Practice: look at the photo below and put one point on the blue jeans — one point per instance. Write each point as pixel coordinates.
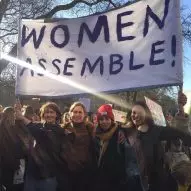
(48, 184)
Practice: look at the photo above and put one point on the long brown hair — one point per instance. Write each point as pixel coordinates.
(8, 136)
(65, 118)
(8, 116)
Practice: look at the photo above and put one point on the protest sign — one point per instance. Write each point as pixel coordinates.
(120, 116)
(156, 112)
(132, 47)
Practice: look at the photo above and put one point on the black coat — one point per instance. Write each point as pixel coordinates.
(149, 144)
(44, 158)
(11, 151)
(118, 168)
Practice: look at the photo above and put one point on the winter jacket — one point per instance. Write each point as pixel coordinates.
(11, 151)
(44, 158)
(150, 154)
(117, 164)
(79, 152)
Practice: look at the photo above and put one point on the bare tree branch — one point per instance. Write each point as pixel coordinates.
(113, 4)
(8, 34)
(69, 6)
(8, 30)
(10, 11)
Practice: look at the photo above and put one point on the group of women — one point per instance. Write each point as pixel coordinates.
(76, 156)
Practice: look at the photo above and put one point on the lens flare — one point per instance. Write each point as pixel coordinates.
(65, 80)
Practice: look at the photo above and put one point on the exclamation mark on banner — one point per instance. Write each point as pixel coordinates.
(173, 49)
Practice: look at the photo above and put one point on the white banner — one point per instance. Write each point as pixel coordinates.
(156, 112)
(135, 46)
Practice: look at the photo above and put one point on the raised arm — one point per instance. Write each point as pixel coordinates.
(33, 128)
(18, 114)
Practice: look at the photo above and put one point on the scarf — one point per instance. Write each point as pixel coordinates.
(104, 140)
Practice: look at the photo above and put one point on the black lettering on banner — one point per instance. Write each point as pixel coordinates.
(41, 61)
(173, 49)
(156, 51)
(120, 26)
(25, 39)
(150, 13)
(67, 65)
(93, 36)
(66, 36)
(92, 68)
(131, 63)
(28, 60)
(115, 59)
(54, 64)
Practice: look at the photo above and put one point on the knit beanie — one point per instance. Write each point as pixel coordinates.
(105, 110)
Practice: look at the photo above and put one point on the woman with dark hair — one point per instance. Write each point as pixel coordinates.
(146, 139)
(117, 164)
(44, 161)
(80, 153)
(11, 152)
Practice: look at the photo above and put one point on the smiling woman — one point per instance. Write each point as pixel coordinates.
(146, 137)
(116, 160)
(44, 159)
(80, 152)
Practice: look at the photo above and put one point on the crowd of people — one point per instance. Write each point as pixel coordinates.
(51, 151)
